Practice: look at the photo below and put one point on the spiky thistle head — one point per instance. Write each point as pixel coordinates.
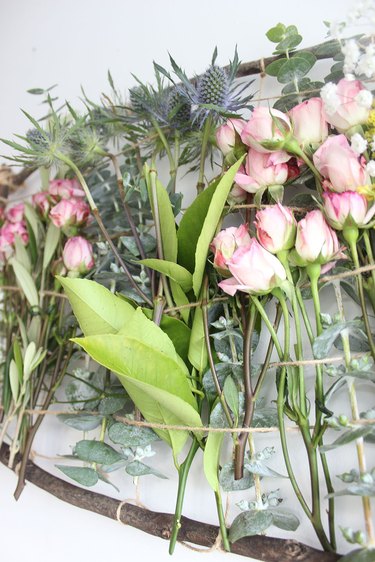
(179, 110)
(213, 87)
(37, 139)
(86, 145)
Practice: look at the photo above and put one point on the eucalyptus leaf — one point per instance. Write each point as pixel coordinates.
(359, 555)
(137, 468)
(231, 395)
(96, 451)
(284, 519)
(112, 404)
(228, 482)
(131, 436)
(322, 344)
(356, 489)
(249, 523)
(348, 437)
(296, 67)
(83, 422)
(257, 467)
(85, 476)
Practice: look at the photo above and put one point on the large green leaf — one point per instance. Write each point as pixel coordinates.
(180, 299)
(97, 310)
(211, 458)
(25, 281)
(176, 330)
(210, 223)
(191, 226)
(166, 217)
(197, 346)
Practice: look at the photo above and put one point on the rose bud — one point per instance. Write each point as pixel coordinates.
(11, 229)
(15, 213)
(78, 256)
(316, 242)
(343, 169)
(237, 195)
(6, 245)
(262, 170)
(254, 271)
(266, 130)
(41, 200)
(226, 134)
(348, 209)
(346, 104)
(276, 228)
(308, 122)
(65, 189)
(226, 243)
(69, 212)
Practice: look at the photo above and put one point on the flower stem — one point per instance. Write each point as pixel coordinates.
(206, 135)
(223, 528)
(182, 479)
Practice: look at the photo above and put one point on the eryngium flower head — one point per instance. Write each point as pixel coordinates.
(86, 146)
(213, 87)
(37, 139)
(179, 110)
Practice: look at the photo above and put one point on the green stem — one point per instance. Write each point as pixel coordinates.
(269, 325)
(206, 135)
(313, 271)
(223, 528)
(370, 256)
(183, 472)
(163, 138)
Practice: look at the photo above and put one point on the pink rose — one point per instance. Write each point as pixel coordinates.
(254, 271)
(6, 245)
(10, 229)
(266, 126)
(78, 255)
(276, 228)
(227, 242)
(262, 170)
(308, 121)
(15, 213)
(316, 242)
(347, 209)
(69, 212)
(226, 134)
(351, 110)
(343, 169)
(237, 195)
(42, 202)
(65, 189)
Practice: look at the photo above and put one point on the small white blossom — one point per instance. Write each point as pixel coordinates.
(358, 143)
(370, 168)
(330, 98)
(352, 52)
(364, 99)
(366, 63)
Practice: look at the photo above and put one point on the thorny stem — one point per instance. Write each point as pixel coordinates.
(99, 220)
(355, 416)
(206, 135)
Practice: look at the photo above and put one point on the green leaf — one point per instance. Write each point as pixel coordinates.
(257, 467)
(96, 451)
(211, 458)
(249, 523)
(52, 240)
(131, 436)
(361, 489)
(22, 255)
(231, 395)
(328, 49)
(85, 476)
(198, 356)
(36, 91)
(228, 482)
(166, 217)
(322, 344)
(34, 222)
(180, 299)
(290, 42)
(112, 404)
(25, 281)
(137, 468)
(210, 223)
(296, 67)
(277, 33)
(14, 380)
(273, 68)
(176, 330)
(348, 437)
(84, 422)
(191, 226)
(284, 519)
(174, 271)
(359, 555)
(97, 310)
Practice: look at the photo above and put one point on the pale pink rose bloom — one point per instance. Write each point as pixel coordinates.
(347, 209)
(266, 125)
(254, 271)
(78, 255)
(308, 122)
(6, 248)
(262, 170)
(10, 229)
(42, 201)
(226, 243)
(226, 134)
(341, 167)
(15, 213)
(276, 228)
(69, 212)
(316, 242)
(237, 195)
(350, 112)
(65, 189)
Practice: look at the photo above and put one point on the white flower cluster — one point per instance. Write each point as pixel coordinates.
(330, 98)
(370, 168)
(358, 143)
(364, 99)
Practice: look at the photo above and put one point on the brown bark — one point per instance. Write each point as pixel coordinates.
(264, 548)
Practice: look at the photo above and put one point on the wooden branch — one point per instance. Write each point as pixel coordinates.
(264, 548)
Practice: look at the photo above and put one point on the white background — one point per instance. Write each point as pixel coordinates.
(74, 43)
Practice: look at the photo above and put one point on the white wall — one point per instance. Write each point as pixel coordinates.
(73, 43)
